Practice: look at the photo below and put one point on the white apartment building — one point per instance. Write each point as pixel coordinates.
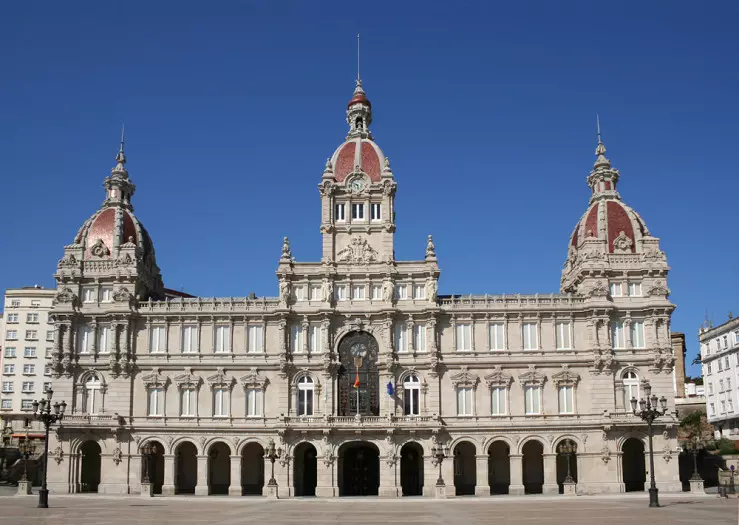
(27, 343)
(720, 358)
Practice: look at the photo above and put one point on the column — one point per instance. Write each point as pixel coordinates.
(169, 466)
(202, 489)
(326, 479)
(388, 486)
(550, 474)
(234, 489)
(516, 486)
(447, 470)
(482, 487)
(430, 473)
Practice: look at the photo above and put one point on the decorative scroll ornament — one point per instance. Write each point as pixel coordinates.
(659, 289)
(598, 290)
(65, 295)
(622, 243)
(58, 455)
(605, 454)
(359, 251)
(68, 261)
(117, 456)
(123, 296)
(99, 249)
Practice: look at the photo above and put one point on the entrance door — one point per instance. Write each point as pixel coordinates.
(411, 469)
(359, 379)
(90, 475)
(360, 470)
(306, 470)
(634, 466)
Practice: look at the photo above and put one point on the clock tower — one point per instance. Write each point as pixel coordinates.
(358, 193)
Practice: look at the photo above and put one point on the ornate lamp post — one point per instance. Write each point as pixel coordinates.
(694, 447)
(7, 437)
(42, 411)
(147, 451)
(439, 452)
(649, 411)
(567, 448)
(27, 448)
(272, 454)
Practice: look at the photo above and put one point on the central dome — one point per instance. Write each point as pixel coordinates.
(358, 154)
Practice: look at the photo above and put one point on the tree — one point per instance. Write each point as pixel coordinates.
(695, 426)
(697, 360)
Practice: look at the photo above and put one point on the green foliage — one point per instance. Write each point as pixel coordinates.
(697, 360)
(725, 446)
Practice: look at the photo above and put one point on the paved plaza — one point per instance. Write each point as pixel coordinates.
(98, 510)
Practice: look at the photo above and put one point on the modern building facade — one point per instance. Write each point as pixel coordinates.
(28, 342)
(358, 369)
(719, 347)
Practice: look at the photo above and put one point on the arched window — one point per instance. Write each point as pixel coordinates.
(305, 396)
(412, 395)
(92, 398)
(631, 387)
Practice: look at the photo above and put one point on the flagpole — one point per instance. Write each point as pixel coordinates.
(357, 392)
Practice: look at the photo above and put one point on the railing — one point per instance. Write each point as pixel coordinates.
(208, 304)
(90, 419)
(623, 260)
(507, 301)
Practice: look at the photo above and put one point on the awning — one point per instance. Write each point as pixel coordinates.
(30, 435)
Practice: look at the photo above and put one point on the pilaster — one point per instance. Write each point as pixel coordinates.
(234, 488)
(482, 487)
(169, 465)
(202, 489)
(516, 487)
(550, 474)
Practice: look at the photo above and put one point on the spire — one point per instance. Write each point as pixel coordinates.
(118, 187)
(600, 149)
(359, 109)
(359, 79)
(120, 158)
(603, 178)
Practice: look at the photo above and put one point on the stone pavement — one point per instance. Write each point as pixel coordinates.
(503, 510)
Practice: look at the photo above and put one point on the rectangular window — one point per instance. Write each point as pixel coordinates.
(104, 339)
(11, 335)
(419, 337)
(315, 293)
(419, 291)
(736, 338)
(254, 402)
(50, 335)
(88, 295)
(358, 292)
(357, 212)
(708, 368)
(563, 336)
(314, 339)
(32, 318)
(728, 383)
(530, 339)
(726, 362)
(615, 289)
(29, 369)
(726, 341)
(376, 211)
(27, 404)
(84, 339)
(35, 303)
(637, 334)
(296, 339)
(731, 404)
(47, 387)
(376, 292)
(634, 289)
(27, 387)
(220, 402)
(341, 293)
(106, 294)
(11, 318)
(47, 370)
(497, 336)
(7, 404)
(9, 351)
(29, 351)
(156, 401)
(189, 339)
(401, 337)
(305, 401)
(720, 385)
(464, 401)
(256, 339)
(339, 215)
(617, 335)
(31, 335)
(723, 406)
(401, 291)
(187, 402)
(7, 387)
(223, 339)
(9, 369)
(15, 303)
(532, 398)
(464, 337)
(498, 401)
(298, 293)
(157, 341)
(566, 401)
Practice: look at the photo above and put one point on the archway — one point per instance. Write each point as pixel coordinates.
(499, 467)
(465, 469)
(358, 380)
(219, 468)
(633, 465)
(186, 468)
(305, 473)
(154, 467)
(411, 469)
(252, 470)
(359, 469)
(533, 467)
(562, 460)
(90, 468)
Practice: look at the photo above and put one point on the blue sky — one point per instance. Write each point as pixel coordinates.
(487, 112)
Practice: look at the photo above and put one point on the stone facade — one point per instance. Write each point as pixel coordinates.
(359, 369)
(719, 347)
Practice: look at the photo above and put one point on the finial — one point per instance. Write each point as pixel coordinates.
(286, 254)
(120, 158)
(430, 249)
(600, 149)
(359, 80)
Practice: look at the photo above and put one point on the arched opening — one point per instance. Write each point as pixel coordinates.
(566, 463)
(219, 468)
(305, 473)
(252, 470)
(533, 467)
(90, 468)
(306, 391)
(499, 467)
(154, 466)
(186, 468)
(465, 469)
(633, 465)
(411, 469)
(358, 380)
(631, 388)
(412, 395)
(359, 469)
(92, 398)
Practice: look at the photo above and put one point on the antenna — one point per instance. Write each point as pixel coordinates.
(123, 136)
(358, 57)
(597, 120)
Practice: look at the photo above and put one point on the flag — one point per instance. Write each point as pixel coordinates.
(356, 379)
(389, 388)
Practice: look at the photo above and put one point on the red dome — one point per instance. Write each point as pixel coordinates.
(105, 230)
(370, 159)
(359, 98)
(613, 221)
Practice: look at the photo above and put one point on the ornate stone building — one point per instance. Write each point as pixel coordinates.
(359, 368)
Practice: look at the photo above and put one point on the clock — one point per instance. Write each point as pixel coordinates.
(356, 185)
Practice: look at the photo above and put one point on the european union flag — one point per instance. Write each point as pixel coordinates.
(390, 388)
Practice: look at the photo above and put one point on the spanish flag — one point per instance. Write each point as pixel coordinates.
(356, 379)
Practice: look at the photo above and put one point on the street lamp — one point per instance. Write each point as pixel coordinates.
(42, 411)
(273, 454)
(7, 437)
(567, 448)
(148, 451)
(439, 452)
(649, 411)
(27, 449)
(694, 447)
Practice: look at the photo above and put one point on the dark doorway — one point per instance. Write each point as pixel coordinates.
(156, 466)
(533, 467)
(562, 460)
(252, 470)
(633, 464)
(411, 469)
(359, 380)
(219, 468)
(465, 469)
(90, 475)
(499, 467)
(186, 468)
(305, 473)
(359, 470)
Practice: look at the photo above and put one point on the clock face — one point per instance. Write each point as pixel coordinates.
(356, 185)
(358, 349)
